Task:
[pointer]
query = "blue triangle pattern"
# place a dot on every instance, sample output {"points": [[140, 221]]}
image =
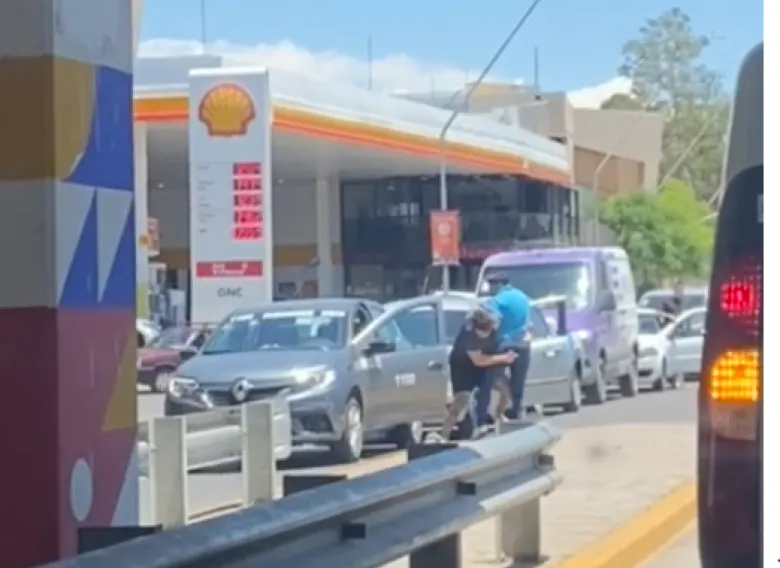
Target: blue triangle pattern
{"points": [[81, 283], [120, 286], [107, 161]]}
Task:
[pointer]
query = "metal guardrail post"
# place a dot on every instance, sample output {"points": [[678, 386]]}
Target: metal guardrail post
{"points": [[258, 459], [444, 553], [519, 529], [168, 471]]}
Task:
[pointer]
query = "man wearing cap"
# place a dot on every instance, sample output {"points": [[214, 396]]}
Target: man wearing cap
{"points": [[512, 308], [472, 359]]}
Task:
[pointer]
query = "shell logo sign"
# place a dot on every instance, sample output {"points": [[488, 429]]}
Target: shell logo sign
{"points": [[226, 110]]}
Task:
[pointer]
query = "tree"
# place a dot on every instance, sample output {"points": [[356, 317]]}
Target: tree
{"points": [[663, 232], [622, 101], [664, 65]]}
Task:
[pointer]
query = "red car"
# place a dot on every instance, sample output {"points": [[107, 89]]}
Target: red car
{"points": [[163, 354]]}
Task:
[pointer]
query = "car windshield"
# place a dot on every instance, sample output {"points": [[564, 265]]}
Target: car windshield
{"points": [[649, 324], [171, 338], [279, 330], [572, 280], [657, 300]]}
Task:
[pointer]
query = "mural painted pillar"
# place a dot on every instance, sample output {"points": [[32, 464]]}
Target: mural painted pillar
{"points": [[67, 298]]}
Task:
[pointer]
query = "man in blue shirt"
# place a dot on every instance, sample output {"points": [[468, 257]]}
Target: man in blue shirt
{"points": [[512, 308]]}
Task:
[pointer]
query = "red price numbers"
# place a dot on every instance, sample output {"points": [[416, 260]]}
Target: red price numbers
{"points": [[248, 200], [247, 184], [247, 233], [247, 218], [247, 169]]}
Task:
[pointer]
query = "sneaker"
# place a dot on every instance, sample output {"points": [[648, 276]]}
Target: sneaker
{"points": [[434, 438]]}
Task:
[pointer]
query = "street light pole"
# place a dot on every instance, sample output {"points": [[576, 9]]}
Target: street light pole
{"points": [[456, 111]]}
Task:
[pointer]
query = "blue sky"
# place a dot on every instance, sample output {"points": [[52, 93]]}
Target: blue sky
{"points": [[579, 41]]}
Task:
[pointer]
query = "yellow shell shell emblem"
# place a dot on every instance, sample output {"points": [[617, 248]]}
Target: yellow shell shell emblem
{"points": [[226, 110]]}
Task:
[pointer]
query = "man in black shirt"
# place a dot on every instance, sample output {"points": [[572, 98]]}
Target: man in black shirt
{"points": [[473, 360]]}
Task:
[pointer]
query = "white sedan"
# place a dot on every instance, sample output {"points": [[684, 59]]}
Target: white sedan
{"points": [[653, 350], [670, 350]]}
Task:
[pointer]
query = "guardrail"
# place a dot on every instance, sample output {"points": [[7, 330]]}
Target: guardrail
{"points": [[417, 509], [171, 447]]}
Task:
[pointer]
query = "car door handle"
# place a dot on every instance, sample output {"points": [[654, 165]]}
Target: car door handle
{"points": [[435, 366]]}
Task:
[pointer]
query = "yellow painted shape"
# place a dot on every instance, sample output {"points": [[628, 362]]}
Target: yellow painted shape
{"points": [[638, 539], [121, 411], [46, 107]]}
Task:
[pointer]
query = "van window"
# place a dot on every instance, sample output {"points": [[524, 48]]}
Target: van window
{"points": [[573, 280], [621, 282]]}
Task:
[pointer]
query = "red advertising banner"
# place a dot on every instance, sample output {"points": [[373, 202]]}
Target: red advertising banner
{"points": [[445, 237]]}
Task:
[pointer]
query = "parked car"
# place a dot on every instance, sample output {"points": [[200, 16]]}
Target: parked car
{"points": [[598, 286], [654, 371], [558, 362], [686, 342], [164, 353], [692, 297], [350, 374], [145, 331]]}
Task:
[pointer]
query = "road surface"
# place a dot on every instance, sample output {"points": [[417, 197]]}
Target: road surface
{"points": [[209, 491]]}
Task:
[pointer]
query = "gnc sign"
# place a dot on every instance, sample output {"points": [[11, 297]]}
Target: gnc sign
{"points": [[230, 293]]}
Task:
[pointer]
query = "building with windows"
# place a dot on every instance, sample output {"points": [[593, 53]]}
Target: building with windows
{"points": [[613, 151], [350, 177]]}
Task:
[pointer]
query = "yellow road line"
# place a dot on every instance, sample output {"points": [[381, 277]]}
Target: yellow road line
{"points": [[635, 541]]}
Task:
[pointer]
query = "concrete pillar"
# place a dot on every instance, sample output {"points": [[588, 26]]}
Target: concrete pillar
{"points": [[323, 188], [67, 298], [140, 133]]}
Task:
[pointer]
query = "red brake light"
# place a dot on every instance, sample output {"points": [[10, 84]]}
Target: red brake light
{"points": [[740, 297]]}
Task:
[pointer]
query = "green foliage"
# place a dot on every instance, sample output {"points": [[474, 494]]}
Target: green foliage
{"points": [[663, 232], [664, 64], [622, 101]]}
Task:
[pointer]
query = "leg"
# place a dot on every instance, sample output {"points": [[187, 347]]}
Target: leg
{"points": [[501, 385], [460, 402], [484, 392], [518, 371]]}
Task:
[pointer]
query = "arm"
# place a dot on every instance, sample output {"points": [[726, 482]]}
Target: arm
{"points": [[480, 359]]}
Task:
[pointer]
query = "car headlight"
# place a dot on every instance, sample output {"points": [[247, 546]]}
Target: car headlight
{"points": [[648, 352], [182, 386], [306, 379]]}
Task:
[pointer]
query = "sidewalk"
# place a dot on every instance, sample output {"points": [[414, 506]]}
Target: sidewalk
{"points": [[683, 553], [611, 473]]}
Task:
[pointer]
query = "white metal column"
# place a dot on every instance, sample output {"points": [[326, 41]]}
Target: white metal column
{"points": [[140, 137], [324, 236]]}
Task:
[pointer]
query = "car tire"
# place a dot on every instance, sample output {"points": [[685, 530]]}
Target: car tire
{"points": [[597, 392], [350, 447], [407, 435], [159, 384], [575, 393], [676, 381], [629, 383]]}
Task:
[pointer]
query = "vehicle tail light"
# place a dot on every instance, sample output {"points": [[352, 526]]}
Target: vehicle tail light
{"points": [[734, 389], [741, 296]]}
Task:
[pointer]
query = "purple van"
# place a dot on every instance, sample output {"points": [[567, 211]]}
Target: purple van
{"points": [[601, 306]]}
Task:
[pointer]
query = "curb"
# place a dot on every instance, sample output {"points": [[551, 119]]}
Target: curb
{"points": [[637, 539]]}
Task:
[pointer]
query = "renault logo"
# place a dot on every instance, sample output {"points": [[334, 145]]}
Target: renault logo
{"points": [[241, 390]]}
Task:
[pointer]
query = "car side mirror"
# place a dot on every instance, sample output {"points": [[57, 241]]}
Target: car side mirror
{"points": [[378, 346], [552, 325], [607, 301], [188, 353]]}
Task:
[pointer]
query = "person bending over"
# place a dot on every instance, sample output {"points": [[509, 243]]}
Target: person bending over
{"points": [[473, 361]]}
